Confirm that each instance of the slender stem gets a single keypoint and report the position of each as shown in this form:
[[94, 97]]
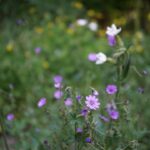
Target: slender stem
[[3, 132]]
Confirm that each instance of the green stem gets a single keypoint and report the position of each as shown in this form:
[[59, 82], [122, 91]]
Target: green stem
[[3, 132]]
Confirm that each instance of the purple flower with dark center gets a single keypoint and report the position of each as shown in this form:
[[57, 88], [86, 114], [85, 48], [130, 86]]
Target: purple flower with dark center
[[111, 40], [58, 79], [10, 117], [92, 57], [105, 119], [88, 140], [111, 89], [41, 102], [58, 94], [114, 114], [38, 50], [79, 130], [92, 102], [84, 112], [68, 102]]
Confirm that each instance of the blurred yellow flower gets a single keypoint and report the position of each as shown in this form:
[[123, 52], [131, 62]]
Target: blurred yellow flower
[[99, 15], [45, 64], [78, 5], [32, 10], [91, 13], [49, 25], [120, 21], [70, 31], [148, 16], [38, 30], [10, 47], [102, 32]]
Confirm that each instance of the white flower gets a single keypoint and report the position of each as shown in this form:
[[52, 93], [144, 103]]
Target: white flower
[[100, 58], [112, 31], [82, 22], [93, 26]]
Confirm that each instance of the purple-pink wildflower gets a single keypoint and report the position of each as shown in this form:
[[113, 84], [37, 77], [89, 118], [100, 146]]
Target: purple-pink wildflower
[[111, 89], [114, 114], [111, 40], [92, 102], [58, 85], [58, 94], [68, 102], [79, 130], [88, 140], [37, 50], [84, 112], [41, 102], [112, 111], [92, 57], [58, 79], [10, 117]]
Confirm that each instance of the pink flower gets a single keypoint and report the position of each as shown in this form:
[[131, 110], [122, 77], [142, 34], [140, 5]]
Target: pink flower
[[41, 102], [92, 102]]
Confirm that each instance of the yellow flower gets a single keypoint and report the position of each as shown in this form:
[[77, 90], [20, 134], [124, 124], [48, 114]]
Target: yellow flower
[[38, 30], [102, 32], [120, 21], [32, 10], [10, 47], [148, 16], [70, 31], [78, 5], [45, 64], [91, 13]]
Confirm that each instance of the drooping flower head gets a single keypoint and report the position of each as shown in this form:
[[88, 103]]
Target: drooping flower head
[[100, 58], [111, 89], [111, 33], [41, 102], [10, 117], [68, 102], [92, 102]]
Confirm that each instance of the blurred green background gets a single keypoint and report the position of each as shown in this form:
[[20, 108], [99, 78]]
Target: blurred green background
[[52, 26]]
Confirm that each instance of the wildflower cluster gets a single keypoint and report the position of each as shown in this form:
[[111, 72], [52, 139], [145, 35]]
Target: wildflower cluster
[[84, 108]]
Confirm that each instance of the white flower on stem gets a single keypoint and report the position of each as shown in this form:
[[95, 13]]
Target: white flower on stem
[[100, 58], [113, 31], [93, 26], [82, 22]]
